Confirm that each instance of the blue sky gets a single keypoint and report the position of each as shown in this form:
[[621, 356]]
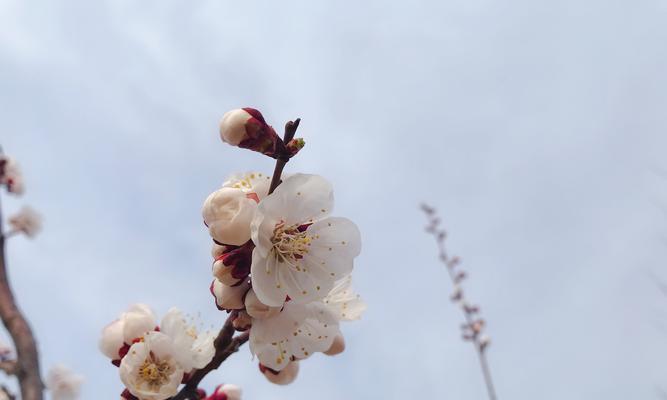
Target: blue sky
[[537, 129]]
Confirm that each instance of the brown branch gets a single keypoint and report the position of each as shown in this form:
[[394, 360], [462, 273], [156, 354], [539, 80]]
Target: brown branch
[[290, 131], [473, 326], [27, 359]]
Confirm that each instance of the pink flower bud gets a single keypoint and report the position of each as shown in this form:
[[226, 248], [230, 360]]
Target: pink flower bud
[[223, 273], [246, 128], [226, 392], [337, 347], [256, 308], [242, 322], [283, 377], [229, 297]]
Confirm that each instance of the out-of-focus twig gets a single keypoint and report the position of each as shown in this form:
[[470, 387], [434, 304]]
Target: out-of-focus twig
[[473, 327]]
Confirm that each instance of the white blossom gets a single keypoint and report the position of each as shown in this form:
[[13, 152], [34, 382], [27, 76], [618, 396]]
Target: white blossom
[[227, 213], [150, 370], [63, 383], [295, 333], [132, 324], [192, 349], [300, 251], [283, 377], [27, 221]]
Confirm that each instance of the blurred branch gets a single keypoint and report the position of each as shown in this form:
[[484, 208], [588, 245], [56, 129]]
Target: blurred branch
[[473, 326], [27, 359], [8, 367]]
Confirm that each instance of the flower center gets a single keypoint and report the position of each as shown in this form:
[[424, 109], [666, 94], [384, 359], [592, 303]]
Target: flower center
[[290, 243], [155, 372]]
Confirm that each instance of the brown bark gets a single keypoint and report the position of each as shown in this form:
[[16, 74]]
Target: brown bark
[[27, 357]]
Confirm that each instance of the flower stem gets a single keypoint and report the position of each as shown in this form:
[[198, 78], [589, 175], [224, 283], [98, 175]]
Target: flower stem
[[290, 131]]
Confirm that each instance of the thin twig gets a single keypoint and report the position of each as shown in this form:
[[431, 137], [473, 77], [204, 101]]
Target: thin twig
[[8, 367], [290, 131], [27, 366], [473, 327]]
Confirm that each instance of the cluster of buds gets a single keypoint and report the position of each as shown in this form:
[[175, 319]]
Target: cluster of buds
[[10, 175], [281, 264], [472, 329], [153, 360]]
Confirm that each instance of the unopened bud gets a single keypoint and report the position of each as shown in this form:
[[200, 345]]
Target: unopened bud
[[247, 129], [229, 297], [337, 347], [227, 213], [242, 321], [283, 377]]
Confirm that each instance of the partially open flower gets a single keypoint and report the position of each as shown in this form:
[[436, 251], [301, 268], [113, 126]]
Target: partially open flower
[[63, 383], [284, 377], [300, 251], [227, 213], [256, 308], [194, 349], [229, 297], [27, 221], [246, 128], [226, 392], [132, 324]]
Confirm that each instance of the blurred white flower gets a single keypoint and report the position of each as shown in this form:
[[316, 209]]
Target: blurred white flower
[[63, 383], [227, 213], [150, 370], [27, 221], [295, 333], [226, 392], [284, 377], [3, 394], [10, 175], [5, 351], [300, 252]]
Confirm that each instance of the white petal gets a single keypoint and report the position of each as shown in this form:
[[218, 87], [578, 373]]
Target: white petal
[[285, 376], [112, 339], [138, 321], [344, 302], [264, 278], [233, 392], [250, 182], [300, 199], [203, 349]]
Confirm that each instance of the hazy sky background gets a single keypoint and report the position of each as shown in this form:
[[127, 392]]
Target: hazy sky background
[[537, 128]]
